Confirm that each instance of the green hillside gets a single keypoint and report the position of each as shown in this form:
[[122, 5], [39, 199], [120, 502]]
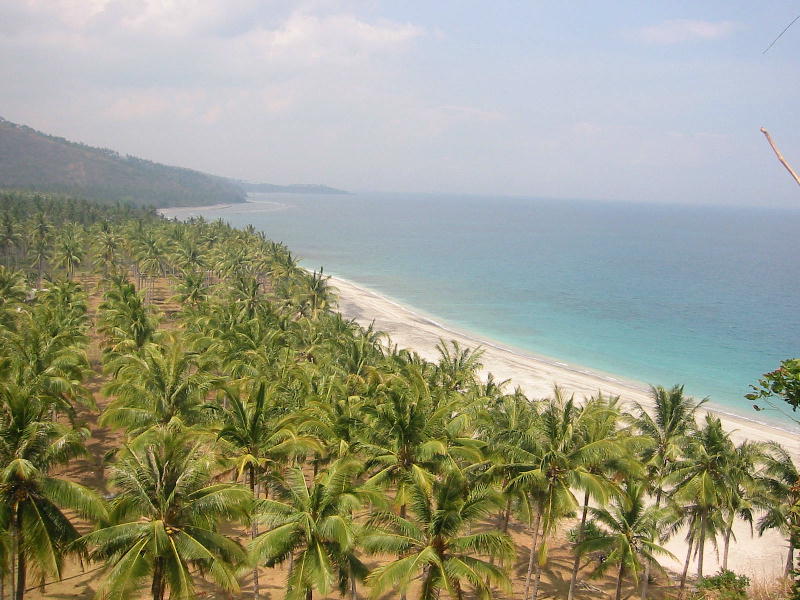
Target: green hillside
[[32, 160]]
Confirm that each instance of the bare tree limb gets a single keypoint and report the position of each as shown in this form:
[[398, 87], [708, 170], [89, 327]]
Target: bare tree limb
[[782, 160], [785, 29]]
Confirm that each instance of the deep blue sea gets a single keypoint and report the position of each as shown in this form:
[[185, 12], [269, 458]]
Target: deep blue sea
[[664, 294]]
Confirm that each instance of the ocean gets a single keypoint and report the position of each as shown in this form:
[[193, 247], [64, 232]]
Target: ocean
[[663, 294]]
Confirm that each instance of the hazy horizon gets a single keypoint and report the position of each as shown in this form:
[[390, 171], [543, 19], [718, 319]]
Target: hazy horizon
[[630, 102]]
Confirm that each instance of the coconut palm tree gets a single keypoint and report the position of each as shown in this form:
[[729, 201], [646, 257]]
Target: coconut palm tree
[[626, 534], [312, 294], [46, 357], [701, 484], [602, 423], [159, 385], [12, 294], [32, 501], [406, 441], [780, 498], [125, 320], [668, 423], [458, 367], [260, 438], [439, 543], [744, 486], [561, 464], [106, 245], [311, 525], [165, 519], [68, 252]]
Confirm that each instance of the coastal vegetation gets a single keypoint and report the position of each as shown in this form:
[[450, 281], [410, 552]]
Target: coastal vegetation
[[183, 411]]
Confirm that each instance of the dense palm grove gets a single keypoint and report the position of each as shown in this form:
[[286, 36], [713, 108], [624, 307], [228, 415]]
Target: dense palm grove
[[260, 432]]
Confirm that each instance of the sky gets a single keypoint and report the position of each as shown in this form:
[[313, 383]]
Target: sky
[[633, 101]]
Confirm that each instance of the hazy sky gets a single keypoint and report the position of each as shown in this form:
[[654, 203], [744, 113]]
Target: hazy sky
[[642, 101]]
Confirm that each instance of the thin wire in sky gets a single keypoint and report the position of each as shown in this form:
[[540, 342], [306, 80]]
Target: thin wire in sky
[[785, 29]]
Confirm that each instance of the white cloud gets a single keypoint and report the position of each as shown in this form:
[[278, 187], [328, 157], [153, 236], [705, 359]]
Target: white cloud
[[685, 30]]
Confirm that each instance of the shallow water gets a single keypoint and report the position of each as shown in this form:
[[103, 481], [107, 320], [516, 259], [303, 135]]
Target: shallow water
[[705, 296]]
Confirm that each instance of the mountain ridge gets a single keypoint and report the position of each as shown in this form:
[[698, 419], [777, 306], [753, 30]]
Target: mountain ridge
[[36, 161]]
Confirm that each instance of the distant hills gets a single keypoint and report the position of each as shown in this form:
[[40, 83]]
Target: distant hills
[[32, 160], [296, 188]]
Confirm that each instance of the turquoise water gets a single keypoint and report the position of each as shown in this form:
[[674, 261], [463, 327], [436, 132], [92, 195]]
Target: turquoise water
[[704, 296]]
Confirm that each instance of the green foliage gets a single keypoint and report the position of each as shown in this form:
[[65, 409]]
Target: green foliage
[[725, 585], [782, 383]]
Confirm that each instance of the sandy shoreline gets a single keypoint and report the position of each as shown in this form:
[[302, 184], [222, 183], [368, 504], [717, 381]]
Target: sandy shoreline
[[755, 556]]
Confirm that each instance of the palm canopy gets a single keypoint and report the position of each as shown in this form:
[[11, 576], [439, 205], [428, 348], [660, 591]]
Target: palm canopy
[[164, 521], [312, 523], [668, 424], [259, 433], [410, 439], [564, 460], [157, 386], [438, 542]]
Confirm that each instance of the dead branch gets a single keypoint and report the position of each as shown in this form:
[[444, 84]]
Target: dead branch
[[782, 160]]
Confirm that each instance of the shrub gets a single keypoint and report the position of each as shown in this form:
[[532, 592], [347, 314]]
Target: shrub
[[725, 585]]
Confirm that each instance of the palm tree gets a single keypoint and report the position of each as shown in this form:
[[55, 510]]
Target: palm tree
[[126, 321], [627, 530], [191, 288], [159, 386], [668, 424], [458, 367], [509, 425], [602, 423], [46, 357], [12, 294], [781, 498], [32, 501], [260, 438], [405, 439], [311, 524], [743, 488], [313, 294], [68, 252], [107, 245], [701, 485], [562, 463], [439, 542], [164, 521]]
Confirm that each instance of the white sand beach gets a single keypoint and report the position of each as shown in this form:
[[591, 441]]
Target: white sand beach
[[758, 557]]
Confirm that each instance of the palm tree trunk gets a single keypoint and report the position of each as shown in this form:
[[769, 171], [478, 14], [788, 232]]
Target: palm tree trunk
[[506, 516], [534, 542], [21, 572], [579, 538], [700, 547], [619, 580], [157, 588], [685, 568], [789, 560], [648, 564], [309, 594], [254, 531], [537, 578], [727, 542], [19, 591]]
